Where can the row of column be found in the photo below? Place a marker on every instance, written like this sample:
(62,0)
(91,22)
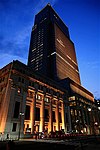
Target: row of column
(42,108)
(88,119)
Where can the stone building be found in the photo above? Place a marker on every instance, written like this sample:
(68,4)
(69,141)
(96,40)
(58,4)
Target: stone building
(30,102)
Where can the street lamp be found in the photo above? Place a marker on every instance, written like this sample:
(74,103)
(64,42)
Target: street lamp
(99,108)
(77,125)
(92,123)
(89,109)
(20,119)
(77,121)
(91,126)
(96,123)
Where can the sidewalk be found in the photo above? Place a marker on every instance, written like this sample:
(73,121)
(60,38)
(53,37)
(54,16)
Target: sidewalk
(51,144)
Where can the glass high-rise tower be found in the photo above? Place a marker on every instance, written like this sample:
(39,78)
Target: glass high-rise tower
(52,52)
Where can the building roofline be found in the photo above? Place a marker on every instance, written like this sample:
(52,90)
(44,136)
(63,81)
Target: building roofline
(39,76)
(80,87)
(49,5)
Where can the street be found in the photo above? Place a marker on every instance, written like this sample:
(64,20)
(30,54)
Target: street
(30,144)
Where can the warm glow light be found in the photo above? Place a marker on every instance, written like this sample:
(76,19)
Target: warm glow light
(99,108)
(96,123)
(21,114)
(77,120)
(2,127)
(89,109)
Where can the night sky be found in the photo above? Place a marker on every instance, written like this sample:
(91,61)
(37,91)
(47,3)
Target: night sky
(82,17)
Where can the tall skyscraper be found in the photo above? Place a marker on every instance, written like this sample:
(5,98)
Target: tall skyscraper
(52,52)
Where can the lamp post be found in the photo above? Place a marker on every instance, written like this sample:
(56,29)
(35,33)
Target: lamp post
(91,120)
(93,123)
(20,119)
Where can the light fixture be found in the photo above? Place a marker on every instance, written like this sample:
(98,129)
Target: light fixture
(99,108)
(89,109)
(95,123)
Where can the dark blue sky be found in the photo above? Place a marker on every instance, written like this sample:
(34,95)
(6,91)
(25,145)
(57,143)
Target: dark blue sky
(82,18)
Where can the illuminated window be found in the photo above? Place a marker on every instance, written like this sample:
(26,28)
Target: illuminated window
(75,113)
(46,99)
(38,97)
(72,98)
(72,112)
(79,113)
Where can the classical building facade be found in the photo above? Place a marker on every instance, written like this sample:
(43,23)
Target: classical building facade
(84,112)
(30,102)
(46,95)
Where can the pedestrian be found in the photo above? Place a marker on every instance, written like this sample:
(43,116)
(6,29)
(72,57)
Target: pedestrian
(7,136)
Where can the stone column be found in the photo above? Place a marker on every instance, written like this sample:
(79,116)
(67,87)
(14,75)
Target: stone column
(63,116)
(87,120)
(50,117)
(22,99)
(42,115)
(57,116)
(69,118)
(33,108)
(22,110)
(5,105)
